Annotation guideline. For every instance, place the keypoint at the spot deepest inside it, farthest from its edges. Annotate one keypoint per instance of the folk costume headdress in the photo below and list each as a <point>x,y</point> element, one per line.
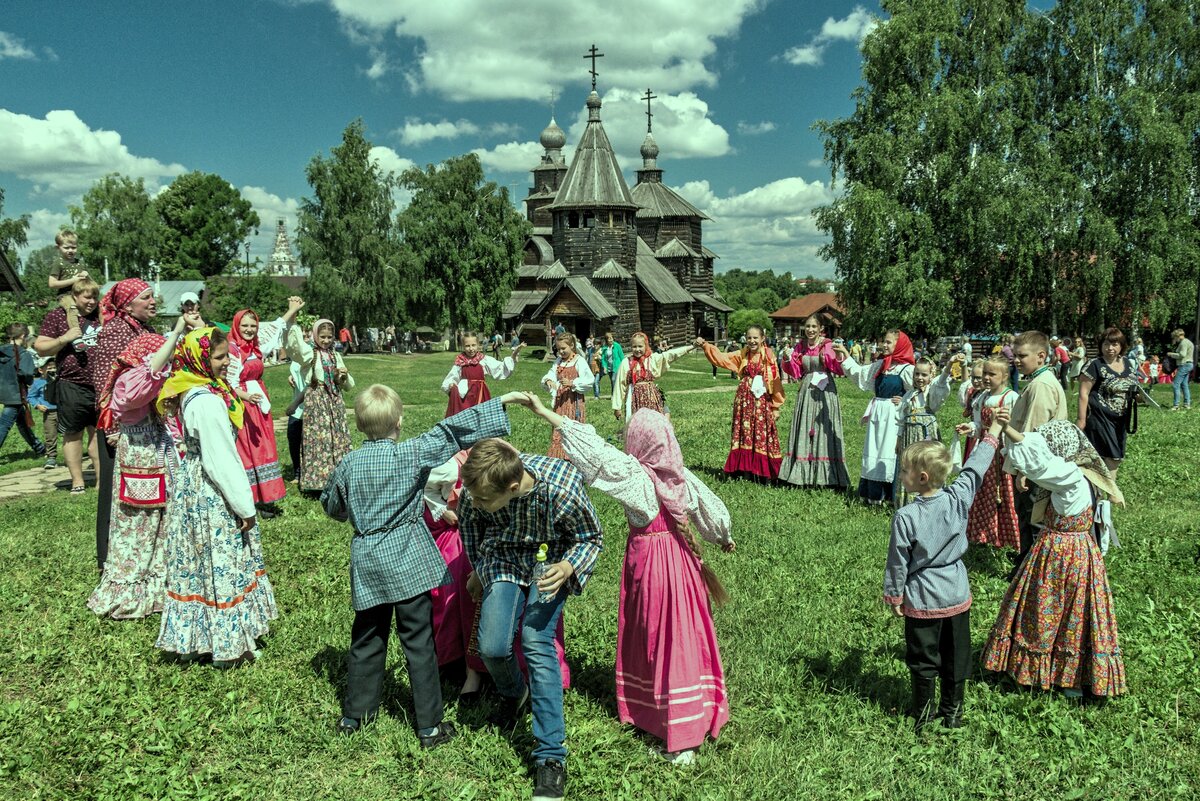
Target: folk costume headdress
<point>193,369</point>
<point>1067,442</point>
<point>243,347</point>
<point>902,353</point>
<point>117,300</point>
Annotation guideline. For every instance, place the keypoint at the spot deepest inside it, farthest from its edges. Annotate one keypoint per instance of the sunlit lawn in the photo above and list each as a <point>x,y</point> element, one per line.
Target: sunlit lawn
<point>88,708</point>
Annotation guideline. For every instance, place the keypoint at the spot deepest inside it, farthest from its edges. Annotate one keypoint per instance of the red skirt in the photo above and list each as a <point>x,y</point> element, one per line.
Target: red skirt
<point>477,391</point>
<point>993,517</point>
<point>754,439</point>
<point>256,444</point>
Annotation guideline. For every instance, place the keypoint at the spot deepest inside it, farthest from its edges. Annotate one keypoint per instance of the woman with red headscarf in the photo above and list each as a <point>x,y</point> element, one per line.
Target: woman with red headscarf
<point>669,677</point>
<point>248,339</point>
<point>132,584</point>
<point>889,378</point>
<point>125,311</point>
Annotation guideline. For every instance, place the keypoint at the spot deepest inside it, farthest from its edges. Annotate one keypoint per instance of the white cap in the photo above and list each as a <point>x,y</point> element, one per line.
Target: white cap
<point>189,296</point>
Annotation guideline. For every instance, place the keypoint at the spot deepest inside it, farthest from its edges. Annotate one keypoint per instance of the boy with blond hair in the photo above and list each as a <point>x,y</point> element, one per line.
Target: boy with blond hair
<point>925,581</point>
<point>65,272</point>
<point>1041,400</point>
<point>394,561</point>
<point>514,502</point>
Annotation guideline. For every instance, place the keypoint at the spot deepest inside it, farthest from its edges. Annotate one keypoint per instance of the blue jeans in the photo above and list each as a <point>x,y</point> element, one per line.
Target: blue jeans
<point>1179,384</point>
<point>503,604</point>
<point>16,414</point>
<point>612,381</point>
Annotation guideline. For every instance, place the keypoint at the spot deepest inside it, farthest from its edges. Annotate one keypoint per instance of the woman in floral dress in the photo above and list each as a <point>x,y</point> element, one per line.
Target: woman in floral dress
<point>1057,627</point>
<point>219,600</point>
<point>568,378</point>
<point>1108,400</point>
<point>326,436</point>
<point>754,440</point>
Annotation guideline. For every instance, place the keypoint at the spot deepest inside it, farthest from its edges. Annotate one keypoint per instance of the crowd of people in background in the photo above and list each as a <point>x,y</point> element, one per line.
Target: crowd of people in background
<point>179,428</point>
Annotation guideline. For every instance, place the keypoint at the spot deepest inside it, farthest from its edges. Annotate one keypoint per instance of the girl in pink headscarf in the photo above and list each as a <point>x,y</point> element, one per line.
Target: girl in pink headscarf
<point>326,437</point>
<point>669,677</point>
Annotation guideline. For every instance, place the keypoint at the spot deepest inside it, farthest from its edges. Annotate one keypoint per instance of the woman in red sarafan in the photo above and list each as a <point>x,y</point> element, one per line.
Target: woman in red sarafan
<point>248,339</point>
<point>754,450</point>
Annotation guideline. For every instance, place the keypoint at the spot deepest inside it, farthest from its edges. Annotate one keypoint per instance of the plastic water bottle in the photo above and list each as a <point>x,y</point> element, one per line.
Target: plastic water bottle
<point>539,573</point>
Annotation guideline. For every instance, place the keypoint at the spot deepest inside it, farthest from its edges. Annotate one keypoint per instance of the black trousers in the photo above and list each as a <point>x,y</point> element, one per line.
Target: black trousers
<point>295,438</point>
<point>368,659</point>
<point>939,646</point>
<point>104,497</point>
<point>1028,532</point>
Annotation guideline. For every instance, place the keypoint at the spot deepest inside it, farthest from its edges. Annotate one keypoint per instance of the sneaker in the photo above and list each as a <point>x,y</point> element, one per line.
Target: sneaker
<point>1174,408</point>
<point>442,733</point>
<point>551,782</point>
<point>685,757</point>
<point>50,464</point>
<point>509,711</point>
<point>347,726</point>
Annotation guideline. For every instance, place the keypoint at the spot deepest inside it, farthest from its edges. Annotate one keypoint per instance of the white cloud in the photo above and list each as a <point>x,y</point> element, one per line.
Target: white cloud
<point>682,127</point>
<point>389,160</point>
<point>511,157</point>
<point>817,163</point>
<point>380,65</point>
<point>755,128</point>
<point>853,28</point>
<point>767,227</point>
<point>473,50</point>
<point>14,47</point>
<point>61,155</point>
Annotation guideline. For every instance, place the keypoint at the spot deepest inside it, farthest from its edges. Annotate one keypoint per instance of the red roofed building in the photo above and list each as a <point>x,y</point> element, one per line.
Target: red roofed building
<point>789,321</point>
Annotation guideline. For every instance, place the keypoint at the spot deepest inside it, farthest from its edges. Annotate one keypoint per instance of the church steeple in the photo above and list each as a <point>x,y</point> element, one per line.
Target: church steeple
<point>649,173</point>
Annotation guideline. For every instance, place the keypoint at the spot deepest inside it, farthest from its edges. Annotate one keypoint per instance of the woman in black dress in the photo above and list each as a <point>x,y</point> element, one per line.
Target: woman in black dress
<point>1108,399</point>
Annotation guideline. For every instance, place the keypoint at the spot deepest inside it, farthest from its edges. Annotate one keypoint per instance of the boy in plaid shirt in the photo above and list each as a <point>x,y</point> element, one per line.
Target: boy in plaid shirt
<point>514,502</point>
<point>394,562</point>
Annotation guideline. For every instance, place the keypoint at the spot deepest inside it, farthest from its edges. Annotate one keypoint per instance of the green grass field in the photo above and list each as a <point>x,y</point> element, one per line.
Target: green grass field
<point>89,709</point>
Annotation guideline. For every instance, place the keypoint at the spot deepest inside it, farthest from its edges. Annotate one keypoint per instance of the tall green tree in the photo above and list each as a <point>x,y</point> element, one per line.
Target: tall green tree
<point>464,241</point>
<point>225,295</point>
<point>13,232</point>
<point>35,272</point>
<point>116,221</point>
<point>345,235</point>
<point>205,219</point>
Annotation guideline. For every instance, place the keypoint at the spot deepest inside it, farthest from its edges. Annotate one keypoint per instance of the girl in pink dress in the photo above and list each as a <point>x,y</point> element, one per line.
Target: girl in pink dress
<point>669,677</point>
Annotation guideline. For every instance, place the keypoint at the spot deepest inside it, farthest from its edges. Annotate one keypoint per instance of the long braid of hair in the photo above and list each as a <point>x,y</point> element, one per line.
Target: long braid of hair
<point>716,589</point>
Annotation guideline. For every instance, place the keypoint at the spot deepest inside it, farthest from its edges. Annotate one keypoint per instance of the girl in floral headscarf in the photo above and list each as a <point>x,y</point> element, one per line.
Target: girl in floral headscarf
<point>248,340</point>
<point>669,677</point>
<point>326,437</point>
<point>1057,626</point>
<point>132,584</point>
<point>219,599</point>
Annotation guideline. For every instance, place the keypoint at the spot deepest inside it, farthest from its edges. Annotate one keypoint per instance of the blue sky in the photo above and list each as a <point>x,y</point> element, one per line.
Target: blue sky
<point>251,90</point>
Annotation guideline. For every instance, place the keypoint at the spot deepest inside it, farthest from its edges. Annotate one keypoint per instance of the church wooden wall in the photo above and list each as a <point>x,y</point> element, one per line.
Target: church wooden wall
<point>583,249</point>
<point>673,321</point>
<point>658,232</point>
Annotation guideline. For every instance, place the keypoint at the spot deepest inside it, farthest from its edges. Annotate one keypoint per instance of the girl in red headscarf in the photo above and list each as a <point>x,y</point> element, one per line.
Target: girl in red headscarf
<point>669,677</point>
<point>635,386</point>
<point>132,584</point>
<point>754,448</point>
<point>248,339</point>
<point>889,378</point>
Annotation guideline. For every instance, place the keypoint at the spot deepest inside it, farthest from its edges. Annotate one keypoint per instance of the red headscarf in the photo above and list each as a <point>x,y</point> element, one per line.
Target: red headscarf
<point>134,354</point>
<point>245,347</point>
<point>116,301</point>
<point>650,439</point>
<point>902,353</point>
<point>462,360</point>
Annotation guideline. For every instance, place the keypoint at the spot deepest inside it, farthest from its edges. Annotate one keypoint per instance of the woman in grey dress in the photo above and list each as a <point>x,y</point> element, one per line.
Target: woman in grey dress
<point>815,456</point>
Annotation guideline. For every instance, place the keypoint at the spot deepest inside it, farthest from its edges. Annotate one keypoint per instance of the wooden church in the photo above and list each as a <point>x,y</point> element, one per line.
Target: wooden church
<point>603,257</point>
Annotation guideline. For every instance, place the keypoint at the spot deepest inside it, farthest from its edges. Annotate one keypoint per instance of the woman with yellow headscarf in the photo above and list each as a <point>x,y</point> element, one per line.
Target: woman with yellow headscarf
<point>219,599</point>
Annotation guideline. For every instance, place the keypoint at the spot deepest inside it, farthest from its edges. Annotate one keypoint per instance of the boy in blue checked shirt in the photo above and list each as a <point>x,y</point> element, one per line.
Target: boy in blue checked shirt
<point>394,562</point>
<point>514,502</point>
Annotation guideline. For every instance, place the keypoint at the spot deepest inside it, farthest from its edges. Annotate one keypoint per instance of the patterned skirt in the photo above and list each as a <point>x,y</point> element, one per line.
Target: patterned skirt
<point>646,395</point>
<point>571,405</point>
<point>1056,626</point>
<point>132,584</point>
<point>257,449</point>
<point>918,427</point>
<point>326,436</point>
<point>815,456</point>
<point>219,599</point>
<point>993,517</point>
<point>754,439</point>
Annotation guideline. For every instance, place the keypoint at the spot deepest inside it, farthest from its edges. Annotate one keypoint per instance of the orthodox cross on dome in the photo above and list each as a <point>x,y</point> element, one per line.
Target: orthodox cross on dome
<point>593,54</point>
<point>649,114</point>
<point>553,100</point>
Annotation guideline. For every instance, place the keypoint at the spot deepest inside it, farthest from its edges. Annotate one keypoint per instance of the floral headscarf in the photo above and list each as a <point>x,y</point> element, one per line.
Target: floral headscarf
<point>1067,442</point>
<point>650,439</point>
<point>134,354</point>
<point>192,370</point>
<point>116,301</point>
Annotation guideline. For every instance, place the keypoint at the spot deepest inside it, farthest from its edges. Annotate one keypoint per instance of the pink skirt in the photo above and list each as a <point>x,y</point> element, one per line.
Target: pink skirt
<point>669,677</point>
<point>454,610</point>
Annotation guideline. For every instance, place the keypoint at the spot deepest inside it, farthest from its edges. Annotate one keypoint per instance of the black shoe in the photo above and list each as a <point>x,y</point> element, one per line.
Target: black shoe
<point>951,708</point>
<point>509,711</point>
<point>924,694</point>
<point>551,782</point>
<point>445,732</point>
<point>470,700</point>
<point>347,726</point>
